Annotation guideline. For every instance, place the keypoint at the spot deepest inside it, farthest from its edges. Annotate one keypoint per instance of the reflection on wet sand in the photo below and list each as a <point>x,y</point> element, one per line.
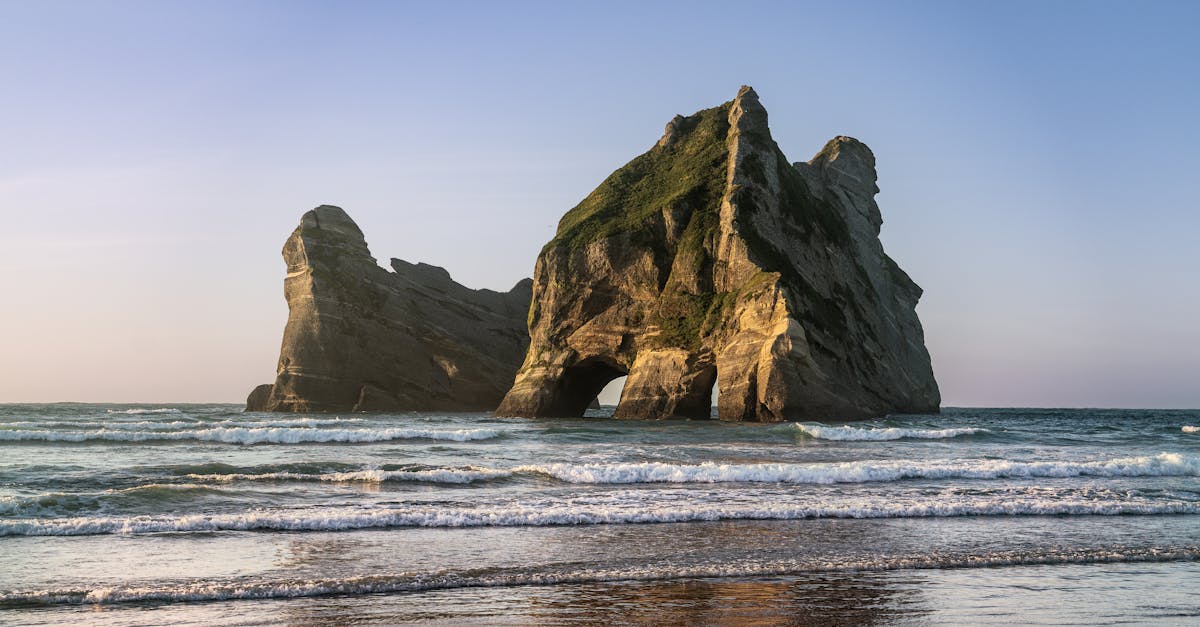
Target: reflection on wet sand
<point>839,599</point>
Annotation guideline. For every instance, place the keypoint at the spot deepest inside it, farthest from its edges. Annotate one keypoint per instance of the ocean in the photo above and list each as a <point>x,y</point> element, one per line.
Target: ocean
<point>204,514</point>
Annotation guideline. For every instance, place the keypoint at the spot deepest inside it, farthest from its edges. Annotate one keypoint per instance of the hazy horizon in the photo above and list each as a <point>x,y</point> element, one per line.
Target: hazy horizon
<point>1033,163</point>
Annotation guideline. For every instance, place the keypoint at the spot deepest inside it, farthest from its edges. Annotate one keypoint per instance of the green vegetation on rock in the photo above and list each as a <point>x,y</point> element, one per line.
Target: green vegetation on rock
<point>684,320</point>
<point>690,171</point>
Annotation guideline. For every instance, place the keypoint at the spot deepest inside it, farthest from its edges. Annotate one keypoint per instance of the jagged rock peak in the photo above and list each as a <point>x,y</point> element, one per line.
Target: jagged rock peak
<point>849,160</point>
<point>360,338</point>
<point>334,219</point>
<point>748,110</point>
<point>710,257</point>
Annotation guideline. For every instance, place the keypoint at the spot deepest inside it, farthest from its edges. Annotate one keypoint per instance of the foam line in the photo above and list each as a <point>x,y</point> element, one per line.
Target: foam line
<point>543,514</point>
<point>248,435</point>
<point>823,432</point>
<point>1163,464</point>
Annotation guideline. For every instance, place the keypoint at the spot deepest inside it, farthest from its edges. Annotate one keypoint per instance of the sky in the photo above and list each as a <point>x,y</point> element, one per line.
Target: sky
<point>1036,159</point>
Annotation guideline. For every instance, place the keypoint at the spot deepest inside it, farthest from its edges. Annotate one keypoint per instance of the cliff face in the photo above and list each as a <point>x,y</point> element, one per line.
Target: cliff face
<point>711,258</point>
<point>360,338</point>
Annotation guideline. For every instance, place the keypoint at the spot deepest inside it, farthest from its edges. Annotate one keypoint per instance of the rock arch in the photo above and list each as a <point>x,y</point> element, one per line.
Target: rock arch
<point>710,256</point>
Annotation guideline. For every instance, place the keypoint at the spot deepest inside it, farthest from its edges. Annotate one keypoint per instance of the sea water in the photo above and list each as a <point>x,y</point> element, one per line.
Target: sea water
<point>204,514</point>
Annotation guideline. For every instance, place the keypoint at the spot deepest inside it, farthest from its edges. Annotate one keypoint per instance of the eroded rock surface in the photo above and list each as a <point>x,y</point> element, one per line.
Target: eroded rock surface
<point>360,338</point>
<point>711,258</point>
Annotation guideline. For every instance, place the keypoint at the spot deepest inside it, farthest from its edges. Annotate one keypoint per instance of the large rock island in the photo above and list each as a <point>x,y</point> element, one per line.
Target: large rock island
<point>360,338</point>
<point>711,258</point>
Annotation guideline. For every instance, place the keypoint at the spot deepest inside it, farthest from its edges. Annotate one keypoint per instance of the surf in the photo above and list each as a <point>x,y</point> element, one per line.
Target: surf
<point>545,513</point>
<point>252,435</point>
<point>879,434</point>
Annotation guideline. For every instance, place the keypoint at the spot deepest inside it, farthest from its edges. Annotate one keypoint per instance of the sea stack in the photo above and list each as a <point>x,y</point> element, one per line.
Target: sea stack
<point>711,258</point>
<point>361,338</point>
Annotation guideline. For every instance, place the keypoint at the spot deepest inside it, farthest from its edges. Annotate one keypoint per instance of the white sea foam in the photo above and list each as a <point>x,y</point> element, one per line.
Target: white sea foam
<point>630,509</point>
<point>186,423</point>
<point>248,435</point>
<point>824,432</point>
<point>100,424</point>
<point>287,422</point>
<point>1191,429</point>
<point>434,475</point>
<point>1163,464</point>
<point>247,589</point>
<point>160,410</point>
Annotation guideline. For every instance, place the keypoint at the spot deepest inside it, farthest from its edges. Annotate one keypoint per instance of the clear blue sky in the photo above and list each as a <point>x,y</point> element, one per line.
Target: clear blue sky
<point>1037,162</point>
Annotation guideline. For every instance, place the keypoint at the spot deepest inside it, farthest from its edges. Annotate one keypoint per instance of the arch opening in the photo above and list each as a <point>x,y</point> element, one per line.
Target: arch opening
<point>582,383</point>
<point>697,402</point>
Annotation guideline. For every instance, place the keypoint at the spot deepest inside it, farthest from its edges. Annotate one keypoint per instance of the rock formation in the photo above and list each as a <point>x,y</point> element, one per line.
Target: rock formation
<point>360,338</point>
<point>710,257</point>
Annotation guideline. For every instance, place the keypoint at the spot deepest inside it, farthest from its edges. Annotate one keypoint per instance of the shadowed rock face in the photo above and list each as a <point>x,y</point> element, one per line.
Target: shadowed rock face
<point>711,258</point>
<point>360,338</point>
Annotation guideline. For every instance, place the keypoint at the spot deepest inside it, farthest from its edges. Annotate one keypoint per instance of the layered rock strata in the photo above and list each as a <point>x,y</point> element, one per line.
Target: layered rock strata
<point>710,258</point>
<point>361,338</point>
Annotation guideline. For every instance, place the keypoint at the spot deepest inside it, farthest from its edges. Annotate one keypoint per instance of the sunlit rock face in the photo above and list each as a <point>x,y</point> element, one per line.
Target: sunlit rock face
<point>361,338</point>
<point>711,258</point>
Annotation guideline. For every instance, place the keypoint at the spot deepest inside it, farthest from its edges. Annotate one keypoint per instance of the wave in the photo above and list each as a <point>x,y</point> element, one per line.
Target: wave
<point>175,425</point>
<point>51,503</point>
<point>103,424</point>
<point>578,512</point>
<point>433,475</point>
<point>1161,465</point>
<point>205,469</point>
<point>824,432</point>
<point>1191,429</point>
<point>249,589</point>
<point>160,410</point>
<point>252,435</point>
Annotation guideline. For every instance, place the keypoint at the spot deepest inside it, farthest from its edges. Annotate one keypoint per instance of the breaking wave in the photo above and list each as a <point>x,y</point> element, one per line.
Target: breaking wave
<point>181,424</point>
<point>434,475</point>
<point>1163,464</point>
<point>252,435</point>
<point>823,432</point>
<point>579,512</point>
<point>160,410</point>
